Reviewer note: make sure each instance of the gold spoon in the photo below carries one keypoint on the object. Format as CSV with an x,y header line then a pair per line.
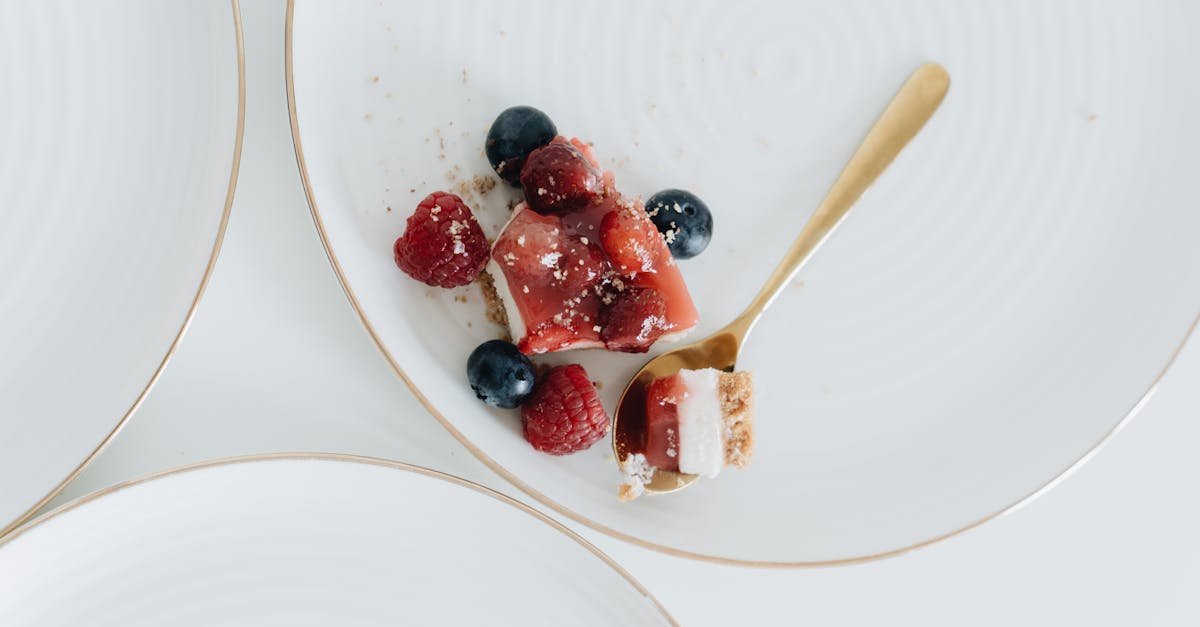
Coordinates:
x,y
904,116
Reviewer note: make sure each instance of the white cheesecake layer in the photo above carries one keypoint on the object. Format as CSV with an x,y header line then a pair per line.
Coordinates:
x,y
516,324
701,443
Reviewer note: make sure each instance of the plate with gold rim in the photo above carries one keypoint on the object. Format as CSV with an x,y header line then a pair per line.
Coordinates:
x,y
1006,295
309,539
122,133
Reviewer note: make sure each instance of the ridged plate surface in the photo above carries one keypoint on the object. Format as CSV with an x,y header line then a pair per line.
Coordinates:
x,y
309,540
120,127
999,302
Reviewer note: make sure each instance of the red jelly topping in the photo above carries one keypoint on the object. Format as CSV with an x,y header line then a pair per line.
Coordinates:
x,y
662,422
562,273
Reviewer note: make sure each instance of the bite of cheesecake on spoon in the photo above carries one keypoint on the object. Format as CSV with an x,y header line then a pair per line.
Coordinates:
x,y
687,413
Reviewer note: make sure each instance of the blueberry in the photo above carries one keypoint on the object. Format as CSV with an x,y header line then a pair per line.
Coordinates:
x,y
517,132
683,219
499,374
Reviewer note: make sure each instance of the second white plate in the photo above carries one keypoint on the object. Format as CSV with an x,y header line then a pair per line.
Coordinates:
x,y
309,540
120,135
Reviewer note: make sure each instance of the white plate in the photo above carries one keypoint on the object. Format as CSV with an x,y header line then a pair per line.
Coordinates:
x,y
121,134
298,539
991,311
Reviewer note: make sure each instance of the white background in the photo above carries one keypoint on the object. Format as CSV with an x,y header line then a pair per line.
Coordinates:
x,y
276,360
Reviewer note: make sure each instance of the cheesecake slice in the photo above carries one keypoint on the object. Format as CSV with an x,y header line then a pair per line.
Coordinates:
x,y
598,277
697,422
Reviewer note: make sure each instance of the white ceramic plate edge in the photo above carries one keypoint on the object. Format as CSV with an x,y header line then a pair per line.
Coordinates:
x,y
353,459
1059,476
187,319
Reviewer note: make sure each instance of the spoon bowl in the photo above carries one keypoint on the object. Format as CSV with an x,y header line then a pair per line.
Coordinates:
x,y
719,350
904,116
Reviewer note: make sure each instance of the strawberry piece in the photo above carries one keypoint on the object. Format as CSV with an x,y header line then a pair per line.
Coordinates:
x,y
634,320
560,178
545,254
630,239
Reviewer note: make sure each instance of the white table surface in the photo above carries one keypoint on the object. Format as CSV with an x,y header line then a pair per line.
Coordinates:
x,y
276,360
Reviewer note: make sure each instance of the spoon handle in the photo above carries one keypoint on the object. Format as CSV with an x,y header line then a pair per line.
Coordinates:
x,y
901,120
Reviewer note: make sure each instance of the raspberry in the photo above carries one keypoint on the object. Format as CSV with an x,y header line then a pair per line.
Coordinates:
x,y
634,321
544,254
564,415
630,239
560,178
443,245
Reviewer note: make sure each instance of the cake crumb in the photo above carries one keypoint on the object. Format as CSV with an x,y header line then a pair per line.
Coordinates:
x,y
368,116
493,306
637,473
389,209
736,393
375,79
1091,118
483,184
